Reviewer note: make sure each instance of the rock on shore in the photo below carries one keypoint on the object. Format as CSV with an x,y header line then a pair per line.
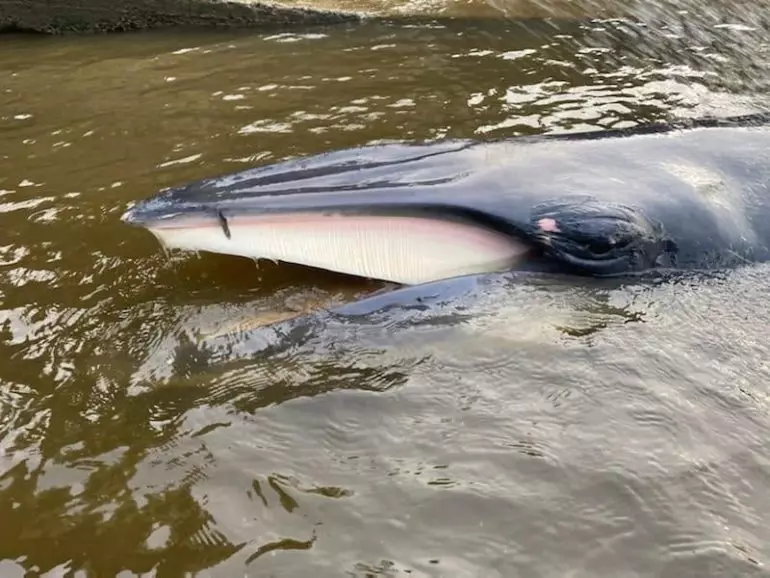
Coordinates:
x,y
89,16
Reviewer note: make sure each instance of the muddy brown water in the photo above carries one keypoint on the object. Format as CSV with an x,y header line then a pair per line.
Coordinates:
x,y
521,430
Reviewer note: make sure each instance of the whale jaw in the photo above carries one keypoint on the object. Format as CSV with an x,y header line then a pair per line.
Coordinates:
x,y
402,248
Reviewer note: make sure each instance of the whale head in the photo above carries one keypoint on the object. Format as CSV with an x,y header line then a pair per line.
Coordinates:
x,y
405,214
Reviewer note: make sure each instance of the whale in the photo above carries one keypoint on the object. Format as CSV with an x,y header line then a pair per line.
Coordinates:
x,y
653,199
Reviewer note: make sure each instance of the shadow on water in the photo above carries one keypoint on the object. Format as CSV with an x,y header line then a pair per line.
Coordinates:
x,y
457,437
372,344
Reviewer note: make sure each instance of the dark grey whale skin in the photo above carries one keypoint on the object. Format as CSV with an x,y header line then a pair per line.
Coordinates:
x,y
692,195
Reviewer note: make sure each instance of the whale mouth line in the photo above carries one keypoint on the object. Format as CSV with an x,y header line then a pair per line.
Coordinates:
x,y
401,244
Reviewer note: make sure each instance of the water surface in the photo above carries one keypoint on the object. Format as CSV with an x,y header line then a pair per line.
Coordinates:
x,y
520,429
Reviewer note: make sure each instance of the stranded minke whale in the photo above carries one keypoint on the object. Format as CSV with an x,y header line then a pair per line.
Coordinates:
x,y
692,195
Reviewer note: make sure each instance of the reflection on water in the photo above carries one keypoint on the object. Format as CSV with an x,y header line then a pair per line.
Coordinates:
x,y
518,427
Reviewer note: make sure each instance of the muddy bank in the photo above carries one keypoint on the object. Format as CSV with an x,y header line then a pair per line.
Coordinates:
x,y
93,16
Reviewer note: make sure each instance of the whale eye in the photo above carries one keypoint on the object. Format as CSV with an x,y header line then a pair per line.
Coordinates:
x,y
599,238
602,246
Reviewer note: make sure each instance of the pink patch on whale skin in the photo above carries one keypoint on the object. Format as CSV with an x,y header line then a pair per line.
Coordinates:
x,y
548,225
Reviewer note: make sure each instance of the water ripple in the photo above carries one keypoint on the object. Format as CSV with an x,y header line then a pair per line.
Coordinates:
x,y
150,421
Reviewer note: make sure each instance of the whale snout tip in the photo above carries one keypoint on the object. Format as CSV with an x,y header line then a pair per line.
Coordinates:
x,y
129,215
144,213
139,215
